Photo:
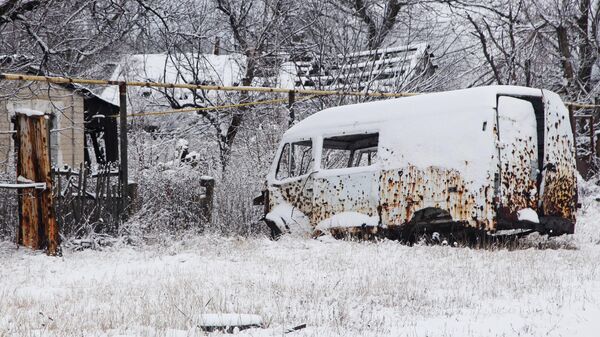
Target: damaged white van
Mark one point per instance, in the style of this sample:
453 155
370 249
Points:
482 160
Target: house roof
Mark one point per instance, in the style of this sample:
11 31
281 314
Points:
24 64
382 69
205 69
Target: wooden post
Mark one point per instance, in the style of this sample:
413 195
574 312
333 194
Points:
291 100
38 227
123 171
216 47
592 141
207 203
596 114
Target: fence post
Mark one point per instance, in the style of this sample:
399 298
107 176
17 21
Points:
207 203
38 227
123 173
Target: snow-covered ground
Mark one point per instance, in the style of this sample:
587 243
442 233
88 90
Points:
336 288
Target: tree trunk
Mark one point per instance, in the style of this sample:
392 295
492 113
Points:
565 54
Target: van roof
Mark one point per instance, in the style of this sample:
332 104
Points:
423 106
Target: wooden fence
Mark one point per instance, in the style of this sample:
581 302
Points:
587 141
87 201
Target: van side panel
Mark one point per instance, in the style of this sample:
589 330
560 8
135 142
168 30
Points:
559 181
444 158
340 191
408 190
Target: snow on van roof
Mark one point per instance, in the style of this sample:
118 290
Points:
360 116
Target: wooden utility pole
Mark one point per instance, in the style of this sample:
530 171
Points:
38 227
596 145
123 169
291 101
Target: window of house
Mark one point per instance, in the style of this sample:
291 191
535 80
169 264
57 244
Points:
295 160
349 151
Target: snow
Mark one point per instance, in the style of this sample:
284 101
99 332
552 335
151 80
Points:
338 288
289 219
21 179
348 219
543 287
226 70
360 66
429 106
41 186
229 320
29 112
23 182
528 214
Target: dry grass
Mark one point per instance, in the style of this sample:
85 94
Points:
336 288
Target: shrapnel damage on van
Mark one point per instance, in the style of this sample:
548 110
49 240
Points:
489 160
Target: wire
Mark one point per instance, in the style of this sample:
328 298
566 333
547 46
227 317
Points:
218 107
51 79
582 105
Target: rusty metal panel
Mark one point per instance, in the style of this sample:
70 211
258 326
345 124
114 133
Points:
296 192
559 182
518 152
343 190
408 190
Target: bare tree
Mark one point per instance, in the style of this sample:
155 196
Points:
378 16
69 37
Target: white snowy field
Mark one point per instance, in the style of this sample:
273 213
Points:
336 288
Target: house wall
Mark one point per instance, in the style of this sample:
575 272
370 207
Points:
67 128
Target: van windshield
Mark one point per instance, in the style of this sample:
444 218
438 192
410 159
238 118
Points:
349 151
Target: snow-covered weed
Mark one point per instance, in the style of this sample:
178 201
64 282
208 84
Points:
337 288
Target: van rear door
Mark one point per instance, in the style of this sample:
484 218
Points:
518 153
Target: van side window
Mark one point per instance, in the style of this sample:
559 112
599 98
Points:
365 157
297 162
349 151
301 158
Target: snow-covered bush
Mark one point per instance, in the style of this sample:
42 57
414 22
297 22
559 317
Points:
170 184
171 200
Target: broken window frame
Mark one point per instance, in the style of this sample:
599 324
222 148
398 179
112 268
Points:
294 171
370 152
372 148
